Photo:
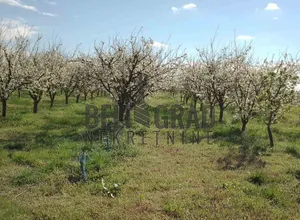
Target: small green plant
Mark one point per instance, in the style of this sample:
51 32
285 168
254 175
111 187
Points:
172 210
111 190
258 178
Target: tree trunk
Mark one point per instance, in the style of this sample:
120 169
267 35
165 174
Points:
66 99
201 106
51 102
244 124
4 106
92 95
77 98
98 93
195 103
270 136
35 105
210 110
221 115
124 114
85 96
186 99
52 97
19 93
122 109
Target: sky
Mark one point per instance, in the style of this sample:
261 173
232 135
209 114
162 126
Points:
270 26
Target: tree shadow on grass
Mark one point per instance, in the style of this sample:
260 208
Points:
16 141
27 141
290 136
243 149
293 152
239 157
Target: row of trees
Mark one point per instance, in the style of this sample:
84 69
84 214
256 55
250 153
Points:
231 76
28 66
130 70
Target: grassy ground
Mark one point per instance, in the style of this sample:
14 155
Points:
233 177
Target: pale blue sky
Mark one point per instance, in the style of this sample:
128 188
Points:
273 25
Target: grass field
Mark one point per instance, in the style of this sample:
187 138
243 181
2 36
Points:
233 177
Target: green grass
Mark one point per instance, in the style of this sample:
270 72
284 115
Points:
234 176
